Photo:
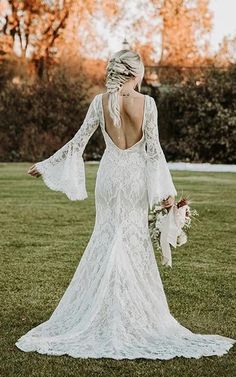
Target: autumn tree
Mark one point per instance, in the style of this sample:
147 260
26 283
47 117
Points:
184 30
81 42
170 32
30 28
227 52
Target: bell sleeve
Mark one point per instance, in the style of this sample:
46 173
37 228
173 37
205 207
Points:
65 171
159 180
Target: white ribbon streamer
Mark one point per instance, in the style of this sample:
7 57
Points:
171 227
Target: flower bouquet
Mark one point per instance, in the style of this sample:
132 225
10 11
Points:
169 226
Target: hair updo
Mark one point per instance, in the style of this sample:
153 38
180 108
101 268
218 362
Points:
122 66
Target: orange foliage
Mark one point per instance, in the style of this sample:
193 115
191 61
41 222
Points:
170 32
227 52
185 24
33 25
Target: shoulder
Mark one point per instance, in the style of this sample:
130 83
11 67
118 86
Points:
96 100
150 98
151 102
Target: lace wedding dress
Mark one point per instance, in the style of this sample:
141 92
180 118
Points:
115 305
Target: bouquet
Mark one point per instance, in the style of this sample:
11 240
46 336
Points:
169 226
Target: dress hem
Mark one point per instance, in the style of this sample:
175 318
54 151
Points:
156 357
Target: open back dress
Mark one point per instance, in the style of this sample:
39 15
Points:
115 305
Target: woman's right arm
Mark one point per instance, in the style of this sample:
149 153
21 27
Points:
64 171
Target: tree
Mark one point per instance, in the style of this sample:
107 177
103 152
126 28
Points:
170 32
227 52
185 26
30 28
43 31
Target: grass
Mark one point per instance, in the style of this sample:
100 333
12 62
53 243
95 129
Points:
43 236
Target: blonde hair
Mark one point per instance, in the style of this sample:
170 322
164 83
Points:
122 66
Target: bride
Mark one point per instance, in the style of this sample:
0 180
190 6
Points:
115 305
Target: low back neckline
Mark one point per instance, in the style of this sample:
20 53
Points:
142 126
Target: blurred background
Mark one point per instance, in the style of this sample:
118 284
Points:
53 56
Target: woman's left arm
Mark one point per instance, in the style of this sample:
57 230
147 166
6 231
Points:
159 181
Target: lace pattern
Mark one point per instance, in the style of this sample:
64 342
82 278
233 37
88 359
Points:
115 305
159 180
64 170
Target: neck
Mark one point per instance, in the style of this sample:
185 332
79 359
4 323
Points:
127 89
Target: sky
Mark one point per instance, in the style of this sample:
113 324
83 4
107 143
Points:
224 20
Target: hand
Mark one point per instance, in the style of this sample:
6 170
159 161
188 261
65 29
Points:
34 172
167 203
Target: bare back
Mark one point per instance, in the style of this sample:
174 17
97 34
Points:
132 114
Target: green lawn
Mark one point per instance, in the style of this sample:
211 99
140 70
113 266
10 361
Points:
43 237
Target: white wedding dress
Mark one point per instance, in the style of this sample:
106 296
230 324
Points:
115 305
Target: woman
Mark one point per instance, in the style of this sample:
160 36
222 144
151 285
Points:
115 305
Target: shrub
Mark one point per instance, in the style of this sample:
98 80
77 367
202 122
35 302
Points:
36 120
198 122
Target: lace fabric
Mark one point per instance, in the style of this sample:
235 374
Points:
159 181
64 170
115 305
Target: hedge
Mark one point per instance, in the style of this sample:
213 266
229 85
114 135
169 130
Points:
197 120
